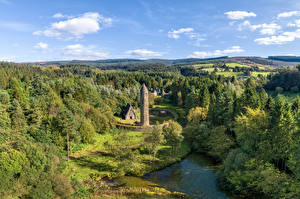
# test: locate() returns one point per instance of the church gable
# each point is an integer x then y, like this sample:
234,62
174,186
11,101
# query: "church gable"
129,113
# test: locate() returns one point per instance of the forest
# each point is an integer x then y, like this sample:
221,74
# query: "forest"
250,126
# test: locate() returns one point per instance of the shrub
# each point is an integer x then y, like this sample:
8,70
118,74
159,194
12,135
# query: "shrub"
87,131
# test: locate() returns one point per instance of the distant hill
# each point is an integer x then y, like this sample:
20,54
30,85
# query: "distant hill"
106,62
285,58
275,61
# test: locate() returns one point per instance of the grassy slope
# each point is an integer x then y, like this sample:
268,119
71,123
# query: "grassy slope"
95,159
209,68
233,65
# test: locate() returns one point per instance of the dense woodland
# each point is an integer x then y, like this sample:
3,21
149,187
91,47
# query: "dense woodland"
242,123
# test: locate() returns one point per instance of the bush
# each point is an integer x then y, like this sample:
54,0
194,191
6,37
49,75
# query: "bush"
87,131
62,186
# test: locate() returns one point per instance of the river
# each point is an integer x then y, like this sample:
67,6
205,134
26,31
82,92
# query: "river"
194,176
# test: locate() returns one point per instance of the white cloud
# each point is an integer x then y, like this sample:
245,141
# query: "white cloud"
188,32
216,53
295,24
80,52
59,15
265,29
247,24
175,34
269,29
279,39
196,39
41,46
238,15
144,53
76,27
291,24
288,14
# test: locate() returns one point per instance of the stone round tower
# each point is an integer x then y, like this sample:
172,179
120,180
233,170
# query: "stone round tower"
144,106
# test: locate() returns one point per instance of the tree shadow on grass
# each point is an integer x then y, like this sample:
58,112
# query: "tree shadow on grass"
100,166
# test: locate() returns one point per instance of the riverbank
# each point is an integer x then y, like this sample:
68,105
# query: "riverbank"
195,176
104,166
93,162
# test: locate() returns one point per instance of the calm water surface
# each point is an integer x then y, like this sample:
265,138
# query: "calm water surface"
194,176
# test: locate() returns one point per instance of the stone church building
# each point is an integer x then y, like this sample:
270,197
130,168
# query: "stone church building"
129,113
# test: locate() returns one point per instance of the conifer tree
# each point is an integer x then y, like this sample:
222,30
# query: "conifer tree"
18,121
5,122
205,98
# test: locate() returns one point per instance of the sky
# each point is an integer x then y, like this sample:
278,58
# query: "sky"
43,30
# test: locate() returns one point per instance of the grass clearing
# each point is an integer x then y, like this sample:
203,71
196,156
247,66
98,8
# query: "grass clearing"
210,70
97,159
101,163
122,152
255,74
230,74
233,65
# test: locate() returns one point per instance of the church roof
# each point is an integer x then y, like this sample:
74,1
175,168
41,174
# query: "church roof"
127,108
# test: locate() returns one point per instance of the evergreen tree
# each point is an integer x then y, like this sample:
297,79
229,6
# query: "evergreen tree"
5,122
283,128
270,105
263,98
68,126
205,98
223,113
18,121
249,98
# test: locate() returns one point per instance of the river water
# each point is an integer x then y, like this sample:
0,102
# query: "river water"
193,176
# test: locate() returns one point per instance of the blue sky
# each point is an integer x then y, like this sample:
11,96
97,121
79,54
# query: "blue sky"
42,30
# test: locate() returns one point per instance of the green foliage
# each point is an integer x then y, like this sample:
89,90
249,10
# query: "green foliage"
223,110
5,122
261,178
236,121
173,134
197,115
18,121
68,124
287,79
219,143
212,140
11,165
154,139
252,133
87,131
102,122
